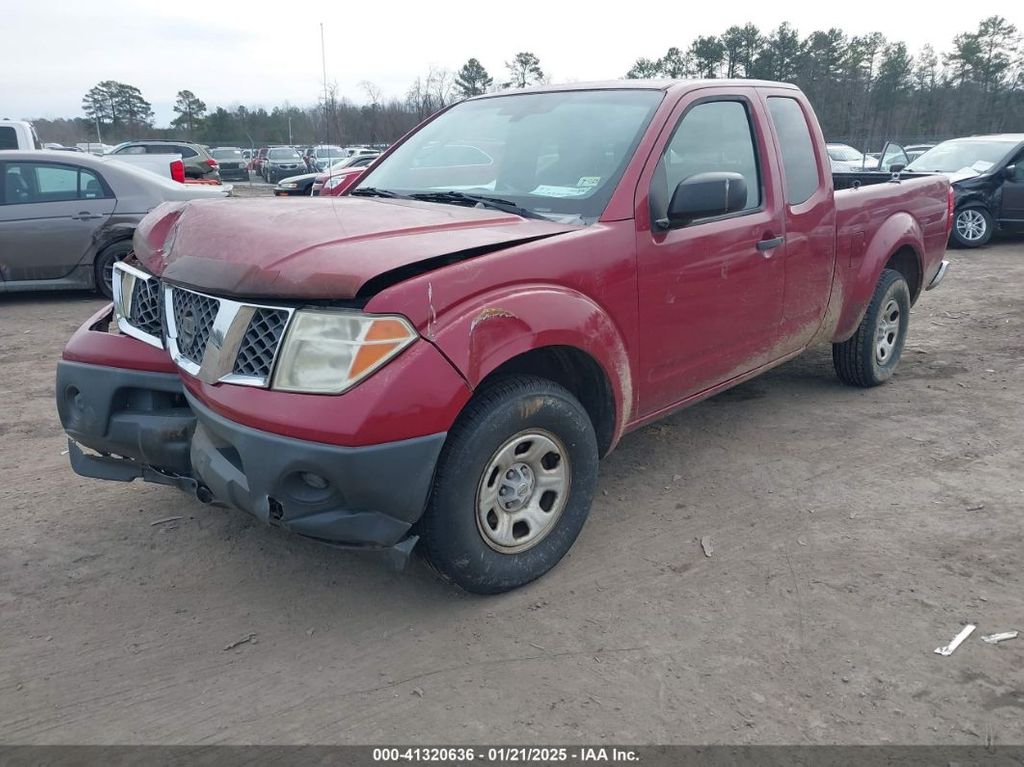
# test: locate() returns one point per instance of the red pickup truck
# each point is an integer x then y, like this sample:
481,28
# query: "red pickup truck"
443,354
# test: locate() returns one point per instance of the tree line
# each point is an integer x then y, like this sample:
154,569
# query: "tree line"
116,111
865,89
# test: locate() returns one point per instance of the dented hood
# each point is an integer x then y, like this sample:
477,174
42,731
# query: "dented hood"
317,248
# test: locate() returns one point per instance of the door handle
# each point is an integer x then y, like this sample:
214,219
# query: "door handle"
85,216
771,244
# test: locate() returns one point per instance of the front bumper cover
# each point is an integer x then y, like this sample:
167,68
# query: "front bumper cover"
144,425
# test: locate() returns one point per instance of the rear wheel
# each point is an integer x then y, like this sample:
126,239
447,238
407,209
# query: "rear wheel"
513,486
103,266
869,357
972,227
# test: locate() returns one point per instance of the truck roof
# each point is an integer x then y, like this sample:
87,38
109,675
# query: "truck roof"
647,85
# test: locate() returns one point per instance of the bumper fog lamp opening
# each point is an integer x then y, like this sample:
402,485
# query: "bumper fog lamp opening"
314,481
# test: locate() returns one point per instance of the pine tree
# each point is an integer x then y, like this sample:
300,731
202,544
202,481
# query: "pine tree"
472,79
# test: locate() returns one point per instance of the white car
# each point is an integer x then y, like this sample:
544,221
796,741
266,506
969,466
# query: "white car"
846,159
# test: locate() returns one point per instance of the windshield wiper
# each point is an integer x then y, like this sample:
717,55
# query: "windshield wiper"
371,191
496,203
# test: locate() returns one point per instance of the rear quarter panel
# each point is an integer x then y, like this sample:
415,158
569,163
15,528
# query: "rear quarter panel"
873,223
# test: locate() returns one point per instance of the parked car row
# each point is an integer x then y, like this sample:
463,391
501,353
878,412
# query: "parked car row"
335,179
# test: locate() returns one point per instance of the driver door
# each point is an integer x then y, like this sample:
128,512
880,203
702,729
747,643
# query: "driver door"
711,292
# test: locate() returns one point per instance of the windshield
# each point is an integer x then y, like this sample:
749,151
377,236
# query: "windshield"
554,154
284,154
226,154
844,153
329,151
951,156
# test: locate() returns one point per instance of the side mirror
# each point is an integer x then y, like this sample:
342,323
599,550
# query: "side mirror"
1010,171
897,167
704,195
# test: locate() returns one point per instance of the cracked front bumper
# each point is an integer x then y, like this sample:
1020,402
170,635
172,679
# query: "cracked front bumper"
144,425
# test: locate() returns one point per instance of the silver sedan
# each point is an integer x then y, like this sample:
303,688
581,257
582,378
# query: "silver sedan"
65,219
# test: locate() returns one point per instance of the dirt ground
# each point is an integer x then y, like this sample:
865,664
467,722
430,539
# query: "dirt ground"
853,532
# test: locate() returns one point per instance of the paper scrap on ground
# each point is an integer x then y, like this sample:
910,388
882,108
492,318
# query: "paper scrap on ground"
1000,637
957,640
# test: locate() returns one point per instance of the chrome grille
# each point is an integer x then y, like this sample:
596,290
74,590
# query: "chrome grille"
145,307
194,314
259,346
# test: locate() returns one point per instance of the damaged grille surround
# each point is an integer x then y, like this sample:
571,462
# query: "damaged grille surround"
218,340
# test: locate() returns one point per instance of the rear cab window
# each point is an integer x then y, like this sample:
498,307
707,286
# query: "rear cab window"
799,162
8,137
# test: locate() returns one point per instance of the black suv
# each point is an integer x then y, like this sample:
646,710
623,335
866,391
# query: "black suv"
987,176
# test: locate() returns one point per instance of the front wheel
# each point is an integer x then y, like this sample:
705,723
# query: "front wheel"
513,486
972,227
870,355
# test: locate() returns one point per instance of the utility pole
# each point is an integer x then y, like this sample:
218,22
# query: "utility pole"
323,61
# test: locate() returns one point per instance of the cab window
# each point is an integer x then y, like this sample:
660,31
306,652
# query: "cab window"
799,164
712,136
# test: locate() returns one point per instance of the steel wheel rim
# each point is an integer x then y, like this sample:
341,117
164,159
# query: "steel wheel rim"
887,332
970,225
523,491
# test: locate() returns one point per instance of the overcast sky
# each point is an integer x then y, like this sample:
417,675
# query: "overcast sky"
231,52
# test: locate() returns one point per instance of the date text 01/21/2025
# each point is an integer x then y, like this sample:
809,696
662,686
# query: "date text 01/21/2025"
505,754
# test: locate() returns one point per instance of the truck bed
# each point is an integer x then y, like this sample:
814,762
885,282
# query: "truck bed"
875,212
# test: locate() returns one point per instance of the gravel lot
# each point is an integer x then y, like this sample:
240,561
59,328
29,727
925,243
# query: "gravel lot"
853,532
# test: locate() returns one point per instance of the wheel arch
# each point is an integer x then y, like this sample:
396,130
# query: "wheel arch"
898,242
579,373
109,235
907,262
551,332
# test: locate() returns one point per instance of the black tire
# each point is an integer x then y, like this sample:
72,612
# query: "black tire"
972,227
505,416
103,265
869,357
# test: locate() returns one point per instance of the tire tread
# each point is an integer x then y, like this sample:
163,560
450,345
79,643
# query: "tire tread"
849,356
431,526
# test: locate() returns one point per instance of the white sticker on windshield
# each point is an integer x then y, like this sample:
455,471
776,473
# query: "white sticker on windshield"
588,181
982,165
545,190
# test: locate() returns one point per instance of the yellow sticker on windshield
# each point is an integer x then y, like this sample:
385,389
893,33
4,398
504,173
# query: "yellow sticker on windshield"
588,181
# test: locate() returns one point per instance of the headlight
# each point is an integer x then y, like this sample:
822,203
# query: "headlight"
326,352
333,181
289,185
